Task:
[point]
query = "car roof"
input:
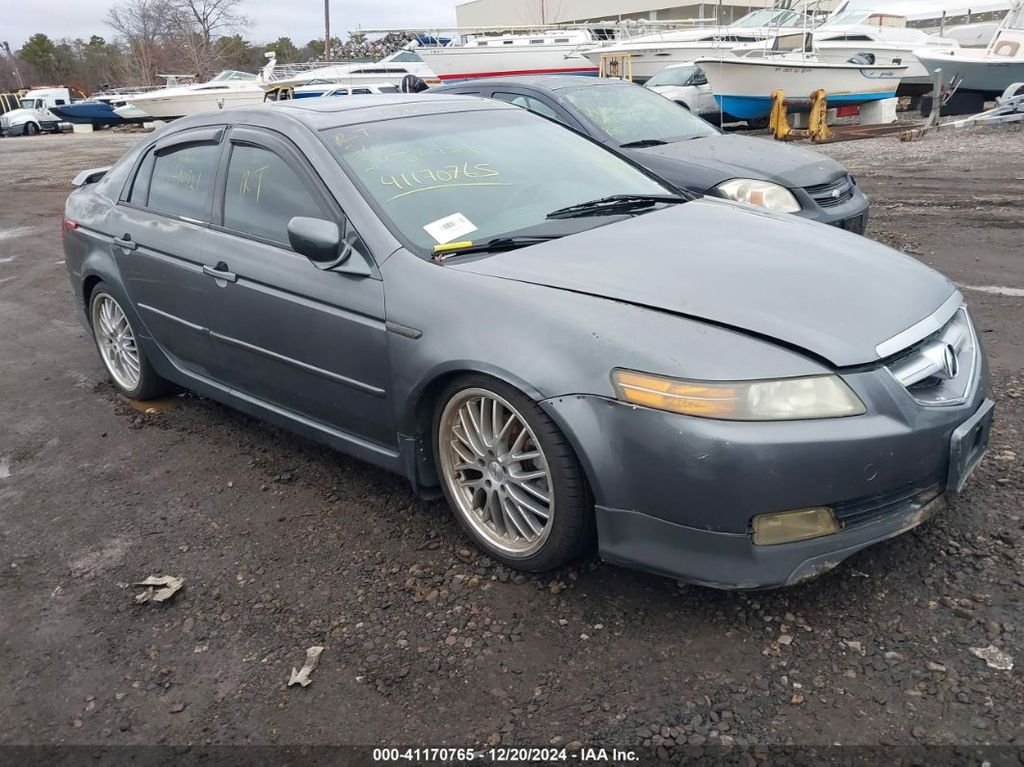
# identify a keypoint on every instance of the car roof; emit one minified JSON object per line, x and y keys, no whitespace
{"x":539,"y":82}
{"x":325,"y":113}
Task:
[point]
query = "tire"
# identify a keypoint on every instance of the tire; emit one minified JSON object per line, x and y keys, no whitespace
{"x":499,"y":499}
{"x":31,"y":129}
{"x":117,"y":344}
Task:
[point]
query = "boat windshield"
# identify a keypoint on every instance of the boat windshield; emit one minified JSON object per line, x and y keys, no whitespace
{"x":232,"y":74}
{"x":770,"y":18}
{"x":477,"y":175}
{"x":631,"y":114}
{"x":850,"y":18}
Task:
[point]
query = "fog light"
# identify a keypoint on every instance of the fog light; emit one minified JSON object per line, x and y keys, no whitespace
{"x":786,"y":526}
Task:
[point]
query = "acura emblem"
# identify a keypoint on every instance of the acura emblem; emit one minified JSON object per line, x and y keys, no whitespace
{"x":950,"y":363}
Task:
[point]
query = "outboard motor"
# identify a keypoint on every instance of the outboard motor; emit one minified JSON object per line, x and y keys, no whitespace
{"x":861,"y":58}
{"x":413,"y":84}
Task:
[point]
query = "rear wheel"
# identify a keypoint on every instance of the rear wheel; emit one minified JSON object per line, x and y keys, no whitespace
{"x":122,"y":356}
{"x":509,"y":475}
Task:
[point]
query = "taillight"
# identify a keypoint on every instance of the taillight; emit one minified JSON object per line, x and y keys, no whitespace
{"x":66,"y":224}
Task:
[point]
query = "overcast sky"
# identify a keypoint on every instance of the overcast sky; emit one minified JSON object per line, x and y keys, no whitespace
{"x":301,"y":20}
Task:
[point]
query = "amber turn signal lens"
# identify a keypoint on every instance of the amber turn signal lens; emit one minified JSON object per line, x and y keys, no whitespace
{"x":674,"y":396}
{"x":798,"y":525}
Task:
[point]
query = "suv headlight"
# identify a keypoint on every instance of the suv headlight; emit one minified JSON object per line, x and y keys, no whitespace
{"x":783,"y":399}
{"x":763,"y":194}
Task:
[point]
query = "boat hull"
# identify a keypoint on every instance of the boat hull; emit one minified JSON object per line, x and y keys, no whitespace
{"x":988,"y":76}
{"x":453,"y":64}
{"x":173,"y":107}
{"x":744,"y":87}
{"x":646,"y":60}
{"x":98,"y":114}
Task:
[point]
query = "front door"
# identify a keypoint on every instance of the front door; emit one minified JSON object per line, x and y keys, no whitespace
{"x":307,"y":340}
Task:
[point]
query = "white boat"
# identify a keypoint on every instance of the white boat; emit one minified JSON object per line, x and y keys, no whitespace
{"x":650,"y":53}
{"x":884,"y":38}
{"x":230,"y":88}
{"x":318,"y":90}
{"x":391,"y":69}
{"x":743,"y":87}
{"x":131,"y":113}
{"x":470,"y":56}
{"x":987,"y":72}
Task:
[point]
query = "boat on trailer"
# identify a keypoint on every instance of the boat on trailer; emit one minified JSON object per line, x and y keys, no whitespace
{"x":743,"y":86}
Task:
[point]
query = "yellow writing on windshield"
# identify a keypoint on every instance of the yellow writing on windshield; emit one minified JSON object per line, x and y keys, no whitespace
{"x":439,"y":177}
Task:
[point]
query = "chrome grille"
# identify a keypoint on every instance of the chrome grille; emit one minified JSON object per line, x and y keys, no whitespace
{"x":833,"y":193}
{"x":940,"y":369}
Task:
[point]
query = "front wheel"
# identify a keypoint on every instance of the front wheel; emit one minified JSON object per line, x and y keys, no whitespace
{"x":31,"y":129}
{"x":122,"y":356}
{"x":509,"y":475}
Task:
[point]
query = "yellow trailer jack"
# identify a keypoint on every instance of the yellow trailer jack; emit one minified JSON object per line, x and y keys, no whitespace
{"x":817,"y":122}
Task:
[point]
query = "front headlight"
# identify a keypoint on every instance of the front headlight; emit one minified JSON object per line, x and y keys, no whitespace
{"x":763,"y":194}
{"x":784,"y":399}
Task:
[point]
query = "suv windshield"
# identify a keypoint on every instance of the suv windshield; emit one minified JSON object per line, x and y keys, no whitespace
{"x":673,"y":76}
{"x":629,"y":114}
{"x":461,"y":176}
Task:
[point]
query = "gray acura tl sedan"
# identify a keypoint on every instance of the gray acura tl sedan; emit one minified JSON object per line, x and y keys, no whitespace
{"x":516,"y":317}
{"x":685,"y":150}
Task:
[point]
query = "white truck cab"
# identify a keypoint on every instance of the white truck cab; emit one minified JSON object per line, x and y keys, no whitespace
{"x":34,"y":114}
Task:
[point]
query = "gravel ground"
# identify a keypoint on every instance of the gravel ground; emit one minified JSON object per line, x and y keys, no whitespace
{"x":284,"y":545}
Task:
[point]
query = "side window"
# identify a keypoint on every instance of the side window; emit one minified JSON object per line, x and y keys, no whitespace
{"x":529,"y":102}
{"x":182,"y":181}
{"x":58,"y":102}
{"x":699,"y":78}
{"x":263,"y":194}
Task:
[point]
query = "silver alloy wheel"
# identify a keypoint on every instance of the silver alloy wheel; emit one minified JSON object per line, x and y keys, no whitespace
{"x":116,"y":342}
{"x":496,"y":471}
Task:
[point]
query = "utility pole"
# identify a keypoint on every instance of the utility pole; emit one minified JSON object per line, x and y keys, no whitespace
{"x":327,"y":30}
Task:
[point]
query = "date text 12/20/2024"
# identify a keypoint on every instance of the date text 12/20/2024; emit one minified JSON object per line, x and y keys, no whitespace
{"x":508,"y":754}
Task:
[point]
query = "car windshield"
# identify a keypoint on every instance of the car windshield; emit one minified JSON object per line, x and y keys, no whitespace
{"x":673,"y":76}
{"x":629,"y":114}
{"x":461,"y":176}
{"x":30,"y":103}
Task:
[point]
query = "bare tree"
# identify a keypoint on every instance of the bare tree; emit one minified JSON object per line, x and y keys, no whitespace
{"x":142,"y":25}
{"x":198,"y":24}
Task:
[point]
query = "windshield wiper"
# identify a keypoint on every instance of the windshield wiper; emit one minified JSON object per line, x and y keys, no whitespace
{"x":441,"y":252}
{"x":616,"y":203}
{"x":641,"y":143}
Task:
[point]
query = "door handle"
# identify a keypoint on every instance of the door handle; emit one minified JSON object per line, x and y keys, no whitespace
{"x":126,"y":242}
{"x":220,"y":272}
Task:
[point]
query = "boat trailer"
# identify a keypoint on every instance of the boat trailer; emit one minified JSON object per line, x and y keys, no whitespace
{"x":818,"y":130}
{"x":1009,"y":108}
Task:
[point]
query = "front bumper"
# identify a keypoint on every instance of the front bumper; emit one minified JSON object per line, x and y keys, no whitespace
{"x":676,"y":495}
{"x":850,"y":214}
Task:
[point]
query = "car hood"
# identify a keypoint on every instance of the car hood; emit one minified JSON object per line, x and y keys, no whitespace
{"x":831,"y":293}
{"x":713,"y":159}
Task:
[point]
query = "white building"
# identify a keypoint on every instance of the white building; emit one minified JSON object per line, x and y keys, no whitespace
{"x":525,"y":13}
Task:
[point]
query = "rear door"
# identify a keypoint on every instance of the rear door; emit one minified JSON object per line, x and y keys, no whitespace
{"x":307,"y":340}
{"x":158,"y":228}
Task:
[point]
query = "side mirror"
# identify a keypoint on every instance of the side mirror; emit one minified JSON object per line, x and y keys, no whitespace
{"x":318,"y":240}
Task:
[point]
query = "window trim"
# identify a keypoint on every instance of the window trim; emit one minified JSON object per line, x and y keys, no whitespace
{"x":265,"y":139}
